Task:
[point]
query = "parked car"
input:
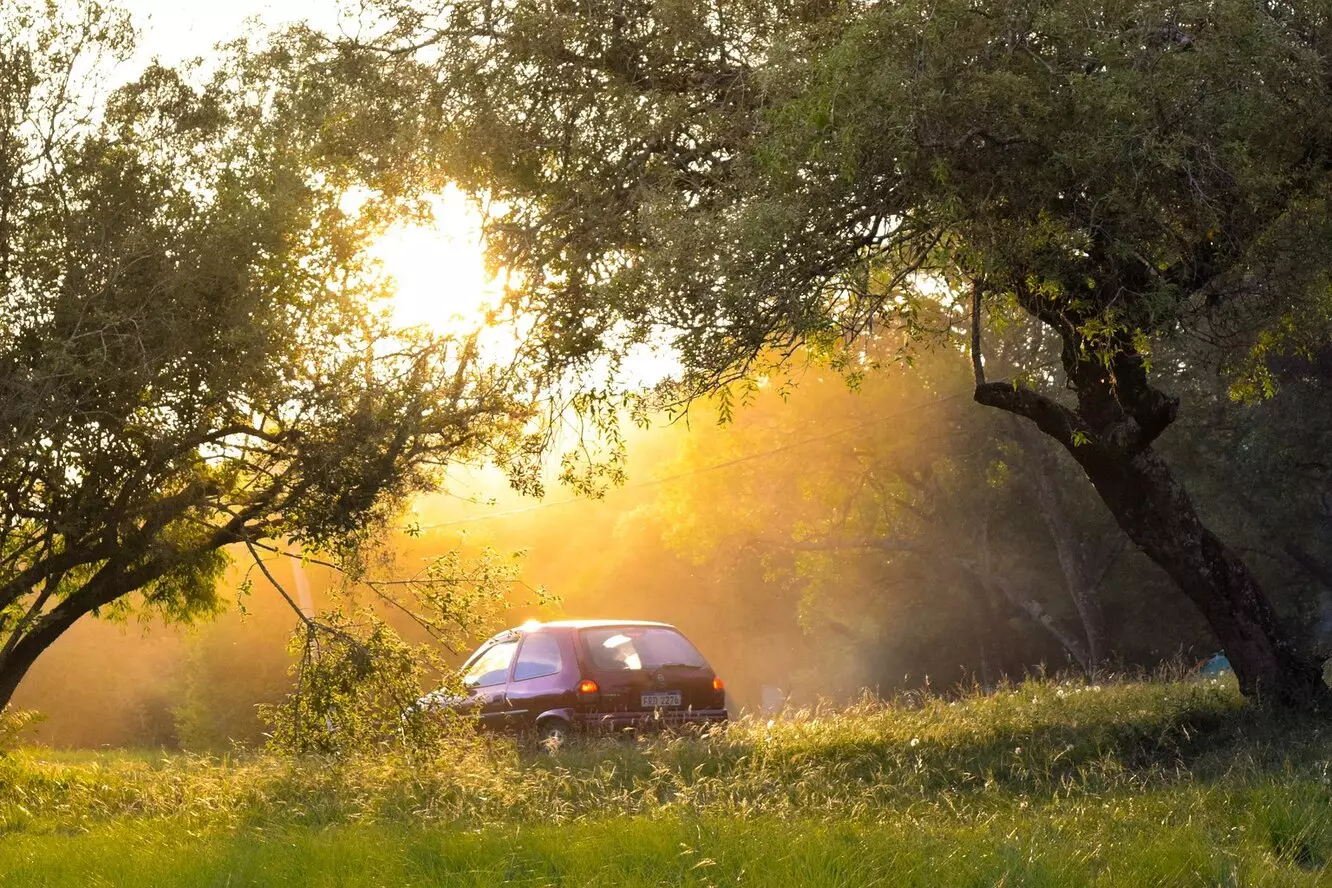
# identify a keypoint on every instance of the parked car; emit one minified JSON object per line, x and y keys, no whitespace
{"x":579,"y":675}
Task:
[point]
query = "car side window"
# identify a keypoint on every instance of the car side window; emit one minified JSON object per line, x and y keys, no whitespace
{"x":540,"y":656}
{"x":492,"y":667}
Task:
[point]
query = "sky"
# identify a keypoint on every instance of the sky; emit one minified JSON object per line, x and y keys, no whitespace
{"x":178,"y":29}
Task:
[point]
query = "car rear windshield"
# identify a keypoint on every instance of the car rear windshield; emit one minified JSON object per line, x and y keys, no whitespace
{"x":624,"y":648}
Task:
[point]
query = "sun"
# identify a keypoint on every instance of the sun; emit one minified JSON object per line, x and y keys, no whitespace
{"x":439,"y":281}
{"x":438,"y":270}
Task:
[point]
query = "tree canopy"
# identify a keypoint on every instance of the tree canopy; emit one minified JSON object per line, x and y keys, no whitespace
{"x":741,"y":179}
{"x":194,"y":350}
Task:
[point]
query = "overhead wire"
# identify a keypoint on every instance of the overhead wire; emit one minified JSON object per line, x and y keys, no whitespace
{"x":726,"y":464}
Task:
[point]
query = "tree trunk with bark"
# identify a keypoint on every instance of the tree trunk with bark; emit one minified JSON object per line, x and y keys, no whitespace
{"x":1036,"y":612}
{"x":105,"y":587}
{"x":131,"y":564}
{"x":1110,"y":435}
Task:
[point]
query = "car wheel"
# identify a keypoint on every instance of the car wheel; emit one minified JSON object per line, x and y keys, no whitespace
{"x":552,"y":735}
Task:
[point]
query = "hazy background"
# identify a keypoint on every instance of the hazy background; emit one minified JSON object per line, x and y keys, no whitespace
{"x":725,"y":530}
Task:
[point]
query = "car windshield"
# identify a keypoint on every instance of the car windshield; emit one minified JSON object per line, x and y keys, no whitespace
{"x":491,"y":667}
{"x":623,"y":648}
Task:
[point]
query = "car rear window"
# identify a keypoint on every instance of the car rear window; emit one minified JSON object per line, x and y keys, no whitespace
{"x":626,"y":648}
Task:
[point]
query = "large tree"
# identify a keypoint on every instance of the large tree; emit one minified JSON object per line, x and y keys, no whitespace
{"x":194,"y":352}
{"x":741,"y":177}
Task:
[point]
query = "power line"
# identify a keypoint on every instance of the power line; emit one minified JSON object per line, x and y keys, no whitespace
{"x":653,"y":482}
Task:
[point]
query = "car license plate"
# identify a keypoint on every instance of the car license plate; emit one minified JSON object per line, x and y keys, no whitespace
{"x":661,"y":698}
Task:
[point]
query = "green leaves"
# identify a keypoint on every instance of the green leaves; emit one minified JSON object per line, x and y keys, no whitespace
{"x":358,"y":682}
{"x":14,"y":722}
{"x":723,"y":186}
{"x":195,"y":351}
{"x":356,"y":688}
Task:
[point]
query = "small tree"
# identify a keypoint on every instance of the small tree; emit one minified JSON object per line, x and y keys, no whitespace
{"x":744,"y":177}
{"x":358,"y":682}
{"x":193,"y":354}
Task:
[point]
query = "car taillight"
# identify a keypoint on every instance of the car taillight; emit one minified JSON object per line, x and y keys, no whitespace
{"x":718,"y":684}
{"x":588,"y":686}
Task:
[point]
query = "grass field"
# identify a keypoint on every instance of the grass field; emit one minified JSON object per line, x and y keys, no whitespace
{"x":1043,"y":784}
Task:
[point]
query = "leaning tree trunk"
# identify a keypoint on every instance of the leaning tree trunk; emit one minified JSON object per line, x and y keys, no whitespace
{"x":129,"y":569}
{"x":1110,"y":434}
{"x":23,"y":649}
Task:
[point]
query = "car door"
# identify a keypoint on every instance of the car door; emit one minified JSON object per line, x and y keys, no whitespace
{"x":538,"y":683}
{"x":486,"y":679}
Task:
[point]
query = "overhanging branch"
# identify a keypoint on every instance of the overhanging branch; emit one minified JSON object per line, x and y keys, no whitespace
{"x":1051,"y":417}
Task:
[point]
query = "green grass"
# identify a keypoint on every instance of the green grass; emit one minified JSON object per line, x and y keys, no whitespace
{"x":1041,"y":784}
{"x":1148,"y":841}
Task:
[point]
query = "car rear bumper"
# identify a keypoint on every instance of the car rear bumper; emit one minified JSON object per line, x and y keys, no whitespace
{"x":619,"y":721}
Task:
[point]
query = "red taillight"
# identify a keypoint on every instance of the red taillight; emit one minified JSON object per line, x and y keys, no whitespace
{"x":588,"y":686}
{"x":718,"y":684}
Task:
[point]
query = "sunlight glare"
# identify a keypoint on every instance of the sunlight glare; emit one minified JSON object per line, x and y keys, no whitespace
{"x":440,"y":281}
{"x":439,"y":269}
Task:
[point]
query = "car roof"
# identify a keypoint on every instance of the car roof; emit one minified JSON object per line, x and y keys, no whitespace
{"x":535,"y":626}
{"x":589,"y":624}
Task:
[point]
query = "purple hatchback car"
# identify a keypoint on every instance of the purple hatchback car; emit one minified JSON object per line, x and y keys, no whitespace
{"x":588,"y":675}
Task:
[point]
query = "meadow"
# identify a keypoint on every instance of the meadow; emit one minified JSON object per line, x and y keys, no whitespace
{"x":1045,"y":783}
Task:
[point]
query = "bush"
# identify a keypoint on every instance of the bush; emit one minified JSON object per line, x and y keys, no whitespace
{"x":12,"y":723}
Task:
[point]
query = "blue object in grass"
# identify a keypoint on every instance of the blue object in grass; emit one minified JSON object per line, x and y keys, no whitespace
{"x":1215,"y":667}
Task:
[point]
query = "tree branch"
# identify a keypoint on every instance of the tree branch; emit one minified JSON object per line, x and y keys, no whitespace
{"x":989,"y":579}
{"x":1051,"y":417}
{"x":977,"y":363}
